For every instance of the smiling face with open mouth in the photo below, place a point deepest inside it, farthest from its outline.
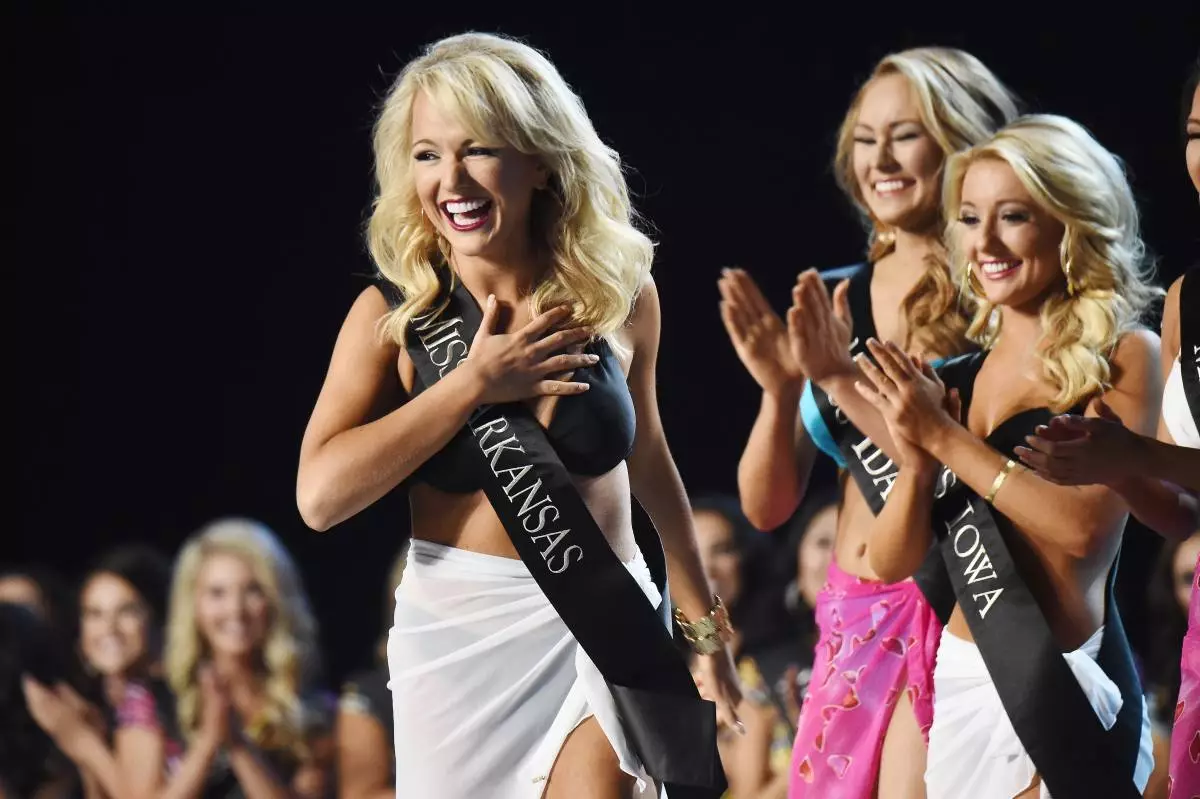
(476, 193)
(1011, 242)
(232, 608)
(114, 632)
(896, 162)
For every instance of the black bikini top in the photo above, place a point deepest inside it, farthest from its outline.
(961, 372)
(591, 432)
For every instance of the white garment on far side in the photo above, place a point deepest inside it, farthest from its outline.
(974, 750)
(1177, 414)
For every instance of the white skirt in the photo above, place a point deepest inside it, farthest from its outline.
(487, 681)
(974, 750)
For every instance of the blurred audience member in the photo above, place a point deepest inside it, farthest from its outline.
(742, 568)
(43, 592)
(1169, 594)
(241, 660)
(122, 604)
(122, 608)
(810, 535)
(366, 753)
(31, 765)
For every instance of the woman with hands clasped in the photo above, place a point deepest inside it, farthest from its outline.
(877, 641)
(245, 719)
(1158, 476)
(1046, 241)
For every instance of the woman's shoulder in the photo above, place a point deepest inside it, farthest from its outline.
(1136, 357)
(143, 704)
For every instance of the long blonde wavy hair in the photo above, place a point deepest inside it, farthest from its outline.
(1106, 286)
(961, 104)
(288, 660)
(501, 89)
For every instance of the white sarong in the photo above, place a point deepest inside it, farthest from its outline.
(974, 750)
(487, 681)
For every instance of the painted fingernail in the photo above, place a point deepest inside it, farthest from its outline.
(593, 358)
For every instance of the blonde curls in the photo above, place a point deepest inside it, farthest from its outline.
(1107, 276)
(961, 104)
(288, 660)
(502, 89)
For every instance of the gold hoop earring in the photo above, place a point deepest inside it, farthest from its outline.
(970, 285)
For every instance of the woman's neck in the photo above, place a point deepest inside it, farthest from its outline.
(1020, 331)
(511, 279)
(908, 259)
(113, 686)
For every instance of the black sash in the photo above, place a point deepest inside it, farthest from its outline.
(670, 727)
(1189, 339)
(873, 471)
(1073, 753)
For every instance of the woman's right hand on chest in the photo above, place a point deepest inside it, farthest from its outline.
(524, 363)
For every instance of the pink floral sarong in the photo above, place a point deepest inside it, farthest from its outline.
(1185, 738)
(876, 641)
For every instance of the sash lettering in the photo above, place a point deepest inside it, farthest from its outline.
(530, 498)
(976, 565)
(444, 343)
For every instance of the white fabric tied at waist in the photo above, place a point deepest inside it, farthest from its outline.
(487, 681)
(974, 750)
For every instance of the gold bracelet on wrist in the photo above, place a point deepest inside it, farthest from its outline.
(706, 635)
(999, 481)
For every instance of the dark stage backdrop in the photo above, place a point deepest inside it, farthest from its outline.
(187, 197)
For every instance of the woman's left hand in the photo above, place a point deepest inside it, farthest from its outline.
(912, 398)
(717, 680)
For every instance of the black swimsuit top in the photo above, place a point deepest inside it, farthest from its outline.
(591, 432)
(960, 373)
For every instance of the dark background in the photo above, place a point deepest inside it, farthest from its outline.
(187, 197)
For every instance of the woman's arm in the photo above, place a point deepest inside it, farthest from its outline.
(655, 481)
(903, 531)
(141, 754)
(778, 459)
(775, 467)
(1074, 518)
(364, 758)
(348, 462)
(749, 773)
(820, 330)
(76, 728)
(1157, 479)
